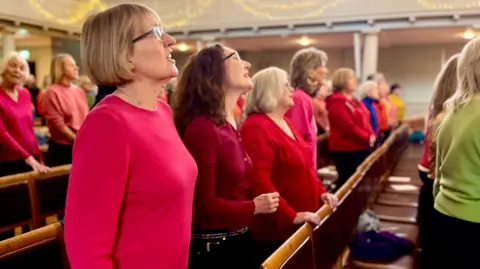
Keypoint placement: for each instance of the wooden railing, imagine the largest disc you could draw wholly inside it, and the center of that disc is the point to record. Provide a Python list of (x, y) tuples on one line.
[(28, 198), (321, 247)]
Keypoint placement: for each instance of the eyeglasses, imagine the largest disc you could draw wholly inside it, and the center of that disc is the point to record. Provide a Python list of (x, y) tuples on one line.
[(229, 55), (156, 32)]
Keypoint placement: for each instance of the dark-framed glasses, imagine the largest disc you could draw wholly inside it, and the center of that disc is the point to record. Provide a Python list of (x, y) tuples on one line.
[(156, 31)]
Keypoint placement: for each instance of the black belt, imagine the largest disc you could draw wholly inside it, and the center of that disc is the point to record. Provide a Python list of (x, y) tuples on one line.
[(210, 236)]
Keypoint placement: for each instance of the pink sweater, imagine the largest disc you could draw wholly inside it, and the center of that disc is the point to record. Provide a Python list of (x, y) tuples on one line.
[(130, 194), (17, 138), (64, 106), (301, 114)]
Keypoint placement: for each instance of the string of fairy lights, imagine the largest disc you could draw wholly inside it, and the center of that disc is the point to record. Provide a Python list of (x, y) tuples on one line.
[(180, 15)]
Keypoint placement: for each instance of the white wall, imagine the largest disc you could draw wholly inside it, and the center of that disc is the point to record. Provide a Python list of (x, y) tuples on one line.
[(414, 67)]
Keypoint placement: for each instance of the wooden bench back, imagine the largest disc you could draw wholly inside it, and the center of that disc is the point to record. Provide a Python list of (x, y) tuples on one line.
[(30, 197), (41, 248)]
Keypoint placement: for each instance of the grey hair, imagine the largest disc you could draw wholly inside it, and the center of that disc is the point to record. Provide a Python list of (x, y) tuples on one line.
[(303, 62)]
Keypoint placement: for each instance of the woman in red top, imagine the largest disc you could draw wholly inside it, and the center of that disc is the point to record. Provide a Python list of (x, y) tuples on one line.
[(19, 150), (281, 162), (206, 95), (351, 134)]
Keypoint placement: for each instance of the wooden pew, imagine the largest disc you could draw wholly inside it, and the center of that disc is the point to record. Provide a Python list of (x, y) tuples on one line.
[(332, 236), (41, 248), (17, 203), (28, 198), (50, 192)]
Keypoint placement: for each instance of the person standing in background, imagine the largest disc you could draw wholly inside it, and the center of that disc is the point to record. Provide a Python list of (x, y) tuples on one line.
[(395, 98), (351, 135), (369, 90), (320, 109), (19, 150), (87, 86), (66, 108), (308, 70)]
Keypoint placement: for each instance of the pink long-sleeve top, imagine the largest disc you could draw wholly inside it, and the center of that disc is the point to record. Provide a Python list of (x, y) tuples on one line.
[(301, 114), (64, 106), (130, 194), (17, 137)]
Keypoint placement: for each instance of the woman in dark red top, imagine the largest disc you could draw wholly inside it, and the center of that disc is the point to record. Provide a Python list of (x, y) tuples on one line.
[(19, 150), (351, 134), (207, 93), (281, 162)]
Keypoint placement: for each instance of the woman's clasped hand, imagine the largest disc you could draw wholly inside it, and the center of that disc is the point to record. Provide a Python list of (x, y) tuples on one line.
[(266, 203)]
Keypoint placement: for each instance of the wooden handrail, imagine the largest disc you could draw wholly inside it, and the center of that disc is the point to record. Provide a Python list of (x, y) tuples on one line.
[(24, 240)]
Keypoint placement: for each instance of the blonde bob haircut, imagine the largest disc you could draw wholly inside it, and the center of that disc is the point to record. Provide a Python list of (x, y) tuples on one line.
[(57, 66), (269, 85), (468, 72), (367, 87), (340, 78), (106, 43), (303, 62), (5, 61)]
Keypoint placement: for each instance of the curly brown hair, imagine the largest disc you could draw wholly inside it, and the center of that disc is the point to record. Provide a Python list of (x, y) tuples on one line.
[(199, 89)]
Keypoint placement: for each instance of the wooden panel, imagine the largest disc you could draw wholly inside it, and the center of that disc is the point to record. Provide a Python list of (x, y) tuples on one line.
[(302, 258)]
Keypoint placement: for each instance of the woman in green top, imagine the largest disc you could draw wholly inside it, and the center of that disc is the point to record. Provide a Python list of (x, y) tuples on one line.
[(456, 224)]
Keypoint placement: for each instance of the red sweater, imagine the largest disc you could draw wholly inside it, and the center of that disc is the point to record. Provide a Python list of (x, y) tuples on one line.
[(17, 137), (284, 165), (64, 106), (130, 192), (423, 165), (350, 127), (221, 193)]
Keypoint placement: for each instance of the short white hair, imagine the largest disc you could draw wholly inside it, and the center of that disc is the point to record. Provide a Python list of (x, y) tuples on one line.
[(7, 59), (268, 84), (367, 87)]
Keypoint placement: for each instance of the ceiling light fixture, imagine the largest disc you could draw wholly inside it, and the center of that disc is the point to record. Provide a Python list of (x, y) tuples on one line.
[(182, 47), (468, 34), (304, 41)]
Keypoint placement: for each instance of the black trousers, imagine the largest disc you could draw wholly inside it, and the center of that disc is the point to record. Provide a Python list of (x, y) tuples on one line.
[(58, 154), (425, 217), (346, 163), (236, 251), (14, 167), (383, 135), (454, 243), (263, 250)]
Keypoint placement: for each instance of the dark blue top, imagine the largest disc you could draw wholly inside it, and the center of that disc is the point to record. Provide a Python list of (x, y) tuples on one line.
[(373, 114)]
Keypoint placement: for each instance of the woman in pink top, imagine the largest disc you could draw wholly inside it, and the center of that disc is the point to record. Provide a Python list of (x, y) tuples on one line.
[(308, 71), (130, 194), (18, 145), (65, 107)]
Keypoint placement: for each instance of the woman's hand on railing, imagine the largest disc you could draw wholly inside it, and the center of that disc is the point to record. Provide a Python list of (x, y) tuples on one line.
[(329, 199), (36, 166), (310, 217), (266, 203)]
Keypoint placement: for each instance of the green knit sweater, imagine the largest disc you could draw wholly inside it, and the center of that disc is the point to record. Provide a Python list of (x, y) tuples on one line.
[(457, 181)]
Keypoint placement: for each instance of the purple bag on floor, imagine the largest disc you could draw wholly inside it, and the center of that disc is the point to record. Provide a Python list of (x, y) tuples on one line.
[(379, 246)]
